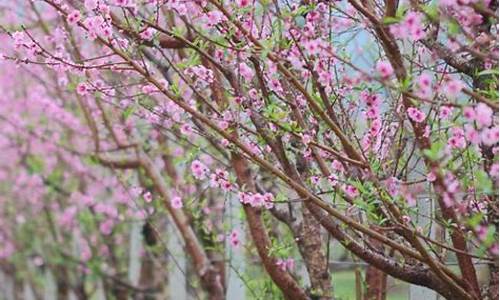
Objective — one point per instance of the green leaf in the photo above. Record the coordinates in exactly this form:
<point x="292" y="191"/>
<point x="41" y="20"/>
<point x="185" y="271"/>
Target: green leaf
<point x="453" y="27"/>
<point x="475" y="220"/>
<point x="488" y="72"/>
<point x="127" y="112"/>
<point x="435" y="152"/>
<point x="484" y="183"/>
<point x="391" y="20"/>
<point x="432" y="11"/>
<point x="35" y="164"/>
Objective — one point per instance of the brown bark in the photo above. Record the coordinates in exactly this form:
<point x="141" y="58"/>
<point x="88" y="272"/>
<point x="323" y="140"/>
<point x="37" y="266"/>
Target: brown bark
<point x="285" y="282"/>
<point x="313" y="253"/>
<point x="210" y="278"/>
<point x="376" y="280"/>
<point x="376" y="284"/>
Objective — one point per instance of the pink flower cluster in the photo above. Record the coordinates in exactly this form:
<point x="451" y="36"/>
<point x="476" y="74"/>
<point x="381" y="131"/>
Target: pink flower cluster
<point x="176" y="202"/>
<point x="285" y="264"/>
<point x="452" y="189"/>
<point x="198" y="169"/>
<point x="416" y="115"/>
<point x="423" y="86"/>
<point x="411" y="27"/>
<point x="246" y="72"/>
<point x="482" y="116"/>
<point x="384" y="69"/>
<point x="452" y="88"/>
<point x="257" y="200"/>
<point x="242" y="3"/>
<point x="97" y="26"/>
<point x="147" y="34"/>
<point x="212" y="18"/>
<point x="91" y="4"/>
<point x="106" y="226"/>
<point x="124" y="3"/>
<point x="220" y="179"/>
<point x="203" y="75"/>
<point x="457" y="140"/>
<point x="19" y="39"/>
<point x="82" y="89"/>
<point x="373" y="103"/>
<point x="234" y="238"/>
<point x="74" y="17"/>
<point x="351" y="191"/>
<point x="445" y="112"/>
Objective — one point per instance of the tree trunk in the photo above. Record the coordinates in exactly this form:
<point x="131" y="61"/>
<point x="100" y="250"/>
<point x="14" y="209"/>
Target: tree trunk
<point x="376" y="283"/>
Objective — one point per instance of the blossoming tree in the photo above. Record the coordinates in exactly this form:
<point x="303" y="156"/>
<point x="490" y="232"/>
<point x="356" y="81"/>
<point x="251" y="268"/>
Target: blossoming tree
<point x="322" y="121"/>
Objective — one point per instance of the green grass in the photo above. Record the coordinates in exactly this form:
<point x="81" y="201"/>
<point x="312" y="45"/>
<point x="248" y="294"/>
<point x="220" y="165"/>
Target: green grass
<point x="345" y="287"/>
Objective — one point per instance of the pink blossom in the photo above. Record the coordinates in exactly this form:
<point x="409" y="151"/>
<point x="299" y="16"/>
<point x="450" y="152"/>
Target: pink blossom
<point x="489" y="136"/>
<point x="147" y="34"/>
<point x="275" y="85"/>
<point x="90" y="4"/>
<point x="412" y="19"/>
<point x="82" y="89"/>
<point x="384" y="68"/>
<point x="457" y="142"/>
<point x="19" y="38"/>
<point x="186" y="130"/>
<point x="242" y="3"/>
<point x="424" y="81"/>
<point x="338" y="166"/>
<point x="351" y="191"/>
<point x="452" y="88"/>
<point x="431" y="177"/>
<point x="484" y="114"/>
<point x="314" y="180"/>
<point x="411" y="27"/>
<point x="306" y="139"/>
<point x="67" y="219"/>
<point x="312" y="47"/>
<point x="256" y="200"/>
<point x="268" y="200"/>
<point x="471" y="134"/>
<point x="85" y="251"/>
<point x="203" y="75"/>
<point x="124" y="3"/>
<point x="148" y="197"/>
<point x="199" y="169"/>
<point x="469" y="113"/>
<point x="234" y="238"/>
<point x="176" y="202"/>
<point x="494" y="170"/>
<point x="445" y="112"/>
<point x="427" y="131"/>
<point x="285" y="264"/>
<point x="213" y="18"/>
<point x="494" y="249"/>
<point x="416" y="115"/>
<point x="375" y="127"/>
<point x="74" y="17"/>
<point x="106" y="227"/>
<point x="393" y="186"/>
<point x="246" y="72"/>
<point x="372" y="113"/>
<point x="406" y="219"/>
<point x="409" y="197"/>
